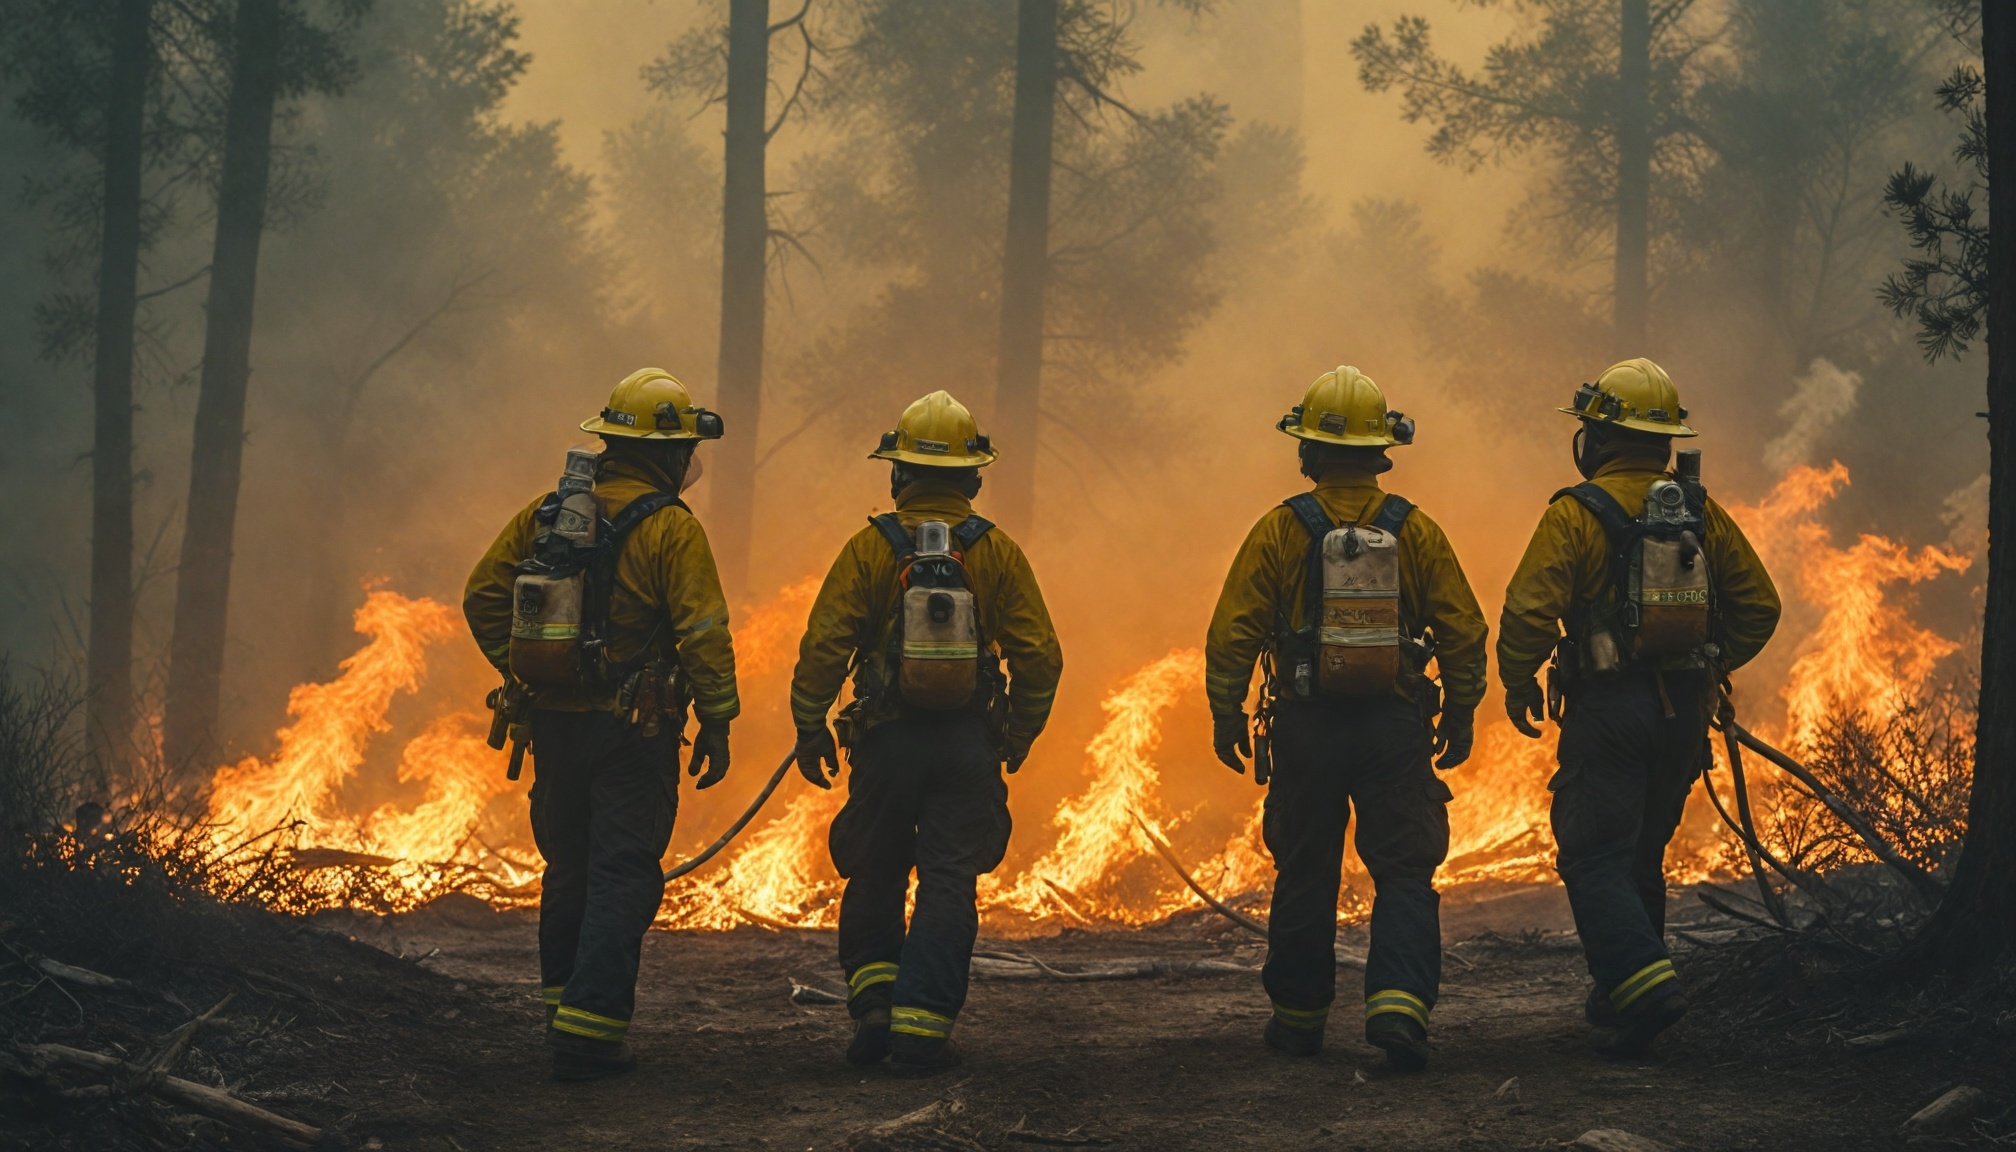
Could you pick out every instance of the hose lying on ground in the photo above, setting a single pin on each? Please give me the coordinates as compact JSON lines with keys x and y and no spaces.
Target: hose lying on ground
{"x":755,"y":806}
{"x":1926,"y":884}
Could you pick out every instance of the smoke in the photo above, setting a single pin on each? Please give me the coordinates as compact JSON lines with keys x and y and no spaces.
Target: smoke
{"x":1966,"y":519}
{"x":1820,"y":399}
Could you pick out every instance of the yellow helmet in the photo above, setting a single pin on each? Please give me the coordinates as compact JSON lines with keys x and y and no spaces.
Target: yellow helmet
{"x":937,"y":431}
{"x":1634,"y":394}
{"x":1344,"y":406}
{"x":651,"y":404}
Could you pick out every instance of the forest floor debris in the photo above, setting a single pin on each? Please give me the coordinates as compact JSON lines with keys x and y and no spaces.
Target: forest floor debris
{"x":444,"y":1053}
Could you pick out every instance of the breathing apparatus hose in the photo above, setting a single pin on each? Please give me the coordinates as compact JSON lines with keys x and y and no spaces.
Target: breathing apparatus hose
{"x":742,"y":822}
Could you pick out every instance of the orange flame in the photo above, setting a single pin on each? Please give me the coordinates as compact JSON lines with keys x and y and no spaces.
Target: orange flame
{"x":298,"y":792}
{"x":1863,"y":648}
{"x":1864,"y":653}
{"x":1096,"y":834}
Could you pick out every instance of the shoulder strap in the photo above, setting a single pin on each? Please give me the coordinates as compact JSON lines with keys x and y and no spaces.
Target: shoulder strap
{"x":1619,"y":527}
{"x":1309,"y":511}
{"x":1618,"y":524}
{"x":1392,"y":515}
{"x":898,"y":536}
{"x":1315,"y":521}
{"x":635,"y":512}
{"x":970,"y":530}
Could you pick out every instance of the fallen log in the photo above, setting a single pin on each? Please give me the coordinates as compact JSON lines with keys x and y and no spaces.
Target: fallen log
{"x":1017,"y":966}
{"x":1949,"y":1113}
{"x":1168,"y":855}
{"x":213,"y":1102}
{"x":158,"y":1065}
{"x":83,"y":977}
{"x":1068,"y":1139}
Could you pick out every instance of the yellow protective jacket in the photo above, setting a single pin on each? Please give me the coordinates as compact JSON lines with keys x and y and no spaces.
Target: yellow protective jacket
{"x":1272,"y":569}
{"x":1567,"y":563}
{"x":856,"y":612}
{"x":665,"y":580}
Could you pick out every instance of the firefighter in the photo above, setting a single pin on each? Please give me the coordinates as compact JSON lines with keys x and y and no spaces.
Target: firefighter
{"x":605,"y":741}
{"x":1342,"y":594}
{"x":1638,"y":661}
{"x":922,"y":606}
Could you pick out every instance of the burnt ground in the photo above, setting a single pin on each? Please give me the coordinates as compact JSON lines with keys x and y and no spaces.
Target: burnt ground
{"x":423,"y":1032}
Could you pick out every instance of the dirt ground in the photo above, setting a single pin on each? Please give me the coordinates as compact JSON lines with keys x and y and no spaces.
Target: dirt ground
{"x":728,"y":1060}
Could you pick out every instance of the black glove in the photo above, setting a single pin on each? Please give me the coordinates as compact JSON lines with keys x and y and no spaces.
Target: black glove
{"x":1455,"y":732}
{"x":710,"y":747}
{"x":1523,"y":701}
{"x":1229,"y":739}
{"x":816,"y":747}
{"x":1015,"y":749}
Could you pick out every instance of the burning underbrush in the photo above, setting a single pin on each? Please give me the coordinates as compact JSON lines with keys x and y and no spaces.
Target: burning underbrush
{"x":321,"y":822}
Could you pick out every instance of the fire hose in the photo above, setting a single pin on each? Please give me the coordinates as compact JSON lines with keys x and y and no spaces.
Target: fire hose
{"x":1921,"y":881}
{"x":741,"y":822}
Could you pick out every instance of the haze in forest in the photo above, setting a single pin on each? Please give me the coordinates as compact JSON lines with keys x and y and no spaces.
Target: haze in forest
{"x":508,"y":207}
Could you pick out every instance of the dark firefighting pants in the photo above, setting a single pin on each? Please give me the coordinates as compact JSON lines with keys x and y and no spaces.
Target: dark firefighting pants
{"x":925,"y":792}
{"x":603,"y":799}
{"x":1331,"y":757}
{"x":1626,"y":768}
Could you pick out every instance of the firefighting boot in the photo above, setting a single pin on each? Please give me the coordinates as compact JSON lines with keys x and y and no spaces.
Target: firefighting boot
{"x":1596,"y":1009}
{"x":1296,"y":1031}
{"x":1403,"y":1038}
{"x":1646,"y":1004}
{"x":1398,"y":1022}
{"x":920,"y":1042}
{"x":577,"y":1058}
{"x":871,"y":1026}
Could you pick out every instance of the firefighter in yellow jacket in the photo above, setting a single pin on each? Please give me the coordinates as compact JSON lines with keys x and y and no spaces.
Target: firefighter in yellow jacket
{"x":922,"y":607}
{"x":1342,"y":594}
{"x":1645,"y":594}
{"x":600,"y":602}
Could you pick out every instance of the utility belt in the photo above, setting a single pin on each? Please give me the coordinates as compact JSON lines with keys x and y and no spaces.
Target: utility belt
{"x":877,"y":701}
{"x":1588,"y":660}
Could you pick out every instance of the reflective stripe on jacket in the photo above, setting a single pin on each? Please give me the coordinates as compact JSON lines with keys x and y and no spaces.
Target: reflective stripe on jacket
{"x":860,"y":594}
{"x":1272,"y":568}
{"x":1567,"y":563}
{"x":665,"y":579}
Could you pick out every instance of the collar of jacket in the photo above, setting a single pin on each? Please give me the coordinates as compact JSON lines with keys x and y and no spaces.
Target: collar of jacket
{"x":935,"y":500}
{"x":1349,"y":479}
{"x":1630,"y":464}
{"x":651,"y":476}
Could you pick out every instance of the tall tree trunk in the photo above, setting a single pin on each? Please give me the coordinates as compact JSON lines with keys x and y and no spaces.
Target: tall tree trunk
{"x":203,"y":582}
{"x":1975,"y":926}
{"x":109,"y":672}
{"x":1025,"y":263}
{"x":745,"y":240}
{"x":1634,"y":178}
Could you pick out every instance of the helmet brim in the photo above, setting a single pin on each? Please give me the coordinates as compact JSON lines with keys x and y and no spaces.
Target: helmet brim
{"x":1635,"y":424}
{"x":602,"y":427}
{"x":1347,"y":441}
{"x":934,"y":459}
